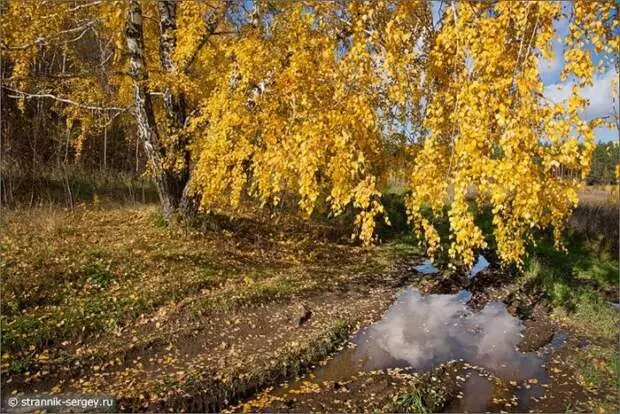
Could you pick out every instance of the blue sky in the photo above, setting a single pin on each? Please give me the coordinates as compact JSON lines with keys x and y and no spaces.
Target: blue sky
{"x":601,"y":103}
{"x":599,"y":95}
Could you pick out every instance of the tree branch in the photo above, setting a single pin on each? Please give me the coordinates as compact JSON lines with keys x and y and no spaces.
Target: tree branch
{"x":26,"y":95}
{"x":43,"y":40}
{"x":75,"y":9}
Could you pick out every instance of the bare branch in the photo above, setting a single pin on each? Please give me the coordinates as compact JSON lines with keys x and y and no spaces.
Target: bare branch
{"x":43,"y":40}
{"x":76,"y":8}
{"x":81,"y":6}
{"x":26,"y":95}
{"x":78,"y":75}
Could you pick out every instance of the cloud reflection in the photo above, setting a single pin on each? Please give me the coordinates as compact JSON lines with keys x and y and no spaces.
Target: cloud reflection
{"x":424,"y":331}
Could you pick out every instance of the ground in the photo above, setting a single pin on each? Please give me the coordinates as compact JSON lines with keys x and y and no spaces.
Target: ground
{"x":110,"y":300}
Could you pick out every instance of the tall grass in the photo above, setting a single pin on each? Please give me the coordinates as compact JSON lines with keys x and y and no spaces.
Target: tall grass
{"x":599,"y":225}
{"x":71,"y":186}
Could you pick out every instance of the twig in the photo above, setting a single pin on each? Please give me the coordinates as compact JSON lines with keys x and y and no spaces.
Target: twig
{"x":43,"y":40}
{"x":458,"y":95}
{"x":26,"y":95}
{"x":76,"y":8}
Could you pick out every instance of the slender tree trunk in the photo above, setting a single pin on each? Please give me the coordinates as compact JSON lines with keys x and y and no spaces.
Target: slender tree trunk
{"x":105,"y":148}
{"x":168,"y":186}
{"x":137,"y":155}
{"x":175,"y":104}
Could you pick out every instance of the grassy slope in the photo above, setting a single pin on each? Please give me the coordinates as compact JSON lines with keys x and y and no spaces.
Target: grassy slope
{"x":581,"y":286}
{"x":97,"y":270}
{"x":100,"y":289}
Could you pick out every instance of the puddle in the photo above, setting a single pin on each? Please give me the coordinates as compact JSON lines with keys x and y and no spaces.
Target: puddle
{"x":476,"y":394}
{"x":427,"y":267}
{"x":480,"y":265}
{"x":421,"y":332}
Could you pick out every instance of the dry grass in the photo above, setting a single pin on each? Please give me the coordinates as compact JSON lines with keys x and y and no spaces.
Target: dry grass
{"x":599,"y":195}
{"x":92,"y":270}
{"x":597,"y":219}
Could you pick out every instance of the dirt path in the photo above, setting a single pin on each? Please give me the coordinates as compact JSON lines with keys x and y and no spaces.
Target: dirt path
{"x":224,"y":340}
{"x":201,"y":321}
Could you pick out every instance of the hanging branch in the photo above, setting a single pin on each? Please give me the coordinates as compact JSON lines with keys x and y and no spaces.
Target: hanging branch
{"x":26,"y":95}
{"x":43,"y":40}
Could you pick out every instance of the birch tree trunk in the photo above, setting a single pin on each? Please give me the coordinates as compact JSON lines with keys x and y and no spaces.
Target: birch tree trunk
{"x":175,"y":104}
{"x":170,"y":185}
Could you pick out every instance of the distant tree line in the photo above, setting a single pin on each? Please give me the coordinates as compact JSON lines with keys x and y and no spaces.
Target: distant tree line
{"x":604,"y":160}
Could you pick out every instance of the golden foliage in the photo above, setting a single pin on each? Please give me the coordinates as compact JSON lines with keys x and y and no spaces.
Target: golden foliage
{"x":492,"y":131}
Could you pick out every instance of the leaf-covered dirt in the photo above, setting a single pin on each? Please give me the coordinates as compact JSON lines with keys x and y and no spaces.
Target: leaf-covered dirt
{"x":107,"y":301}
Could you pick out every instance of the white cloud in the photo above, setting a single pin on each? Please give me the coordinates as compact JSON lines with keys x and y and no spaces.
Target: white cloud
{"x":550,"y":67}
{"x":425,"y":330}
{"x":558,"y":92}
{"x":599,"y":95}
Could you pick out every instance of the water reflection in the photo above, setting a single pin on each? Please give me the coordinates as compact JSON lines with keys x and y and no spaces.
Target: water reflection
{"x":480,"y":265}
{"x":422,"y":332}
{"x":426,"y":267}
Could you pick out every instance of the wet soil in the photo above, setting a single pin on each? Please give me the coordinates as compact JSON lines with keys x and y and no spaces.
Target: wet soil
{"x":538,"y":330}
{"x":360,"y":393}
{"x":566,"y":393}
{"x":183,"y":358}
{"x":526,"y":367}
{"x":489,"y":348}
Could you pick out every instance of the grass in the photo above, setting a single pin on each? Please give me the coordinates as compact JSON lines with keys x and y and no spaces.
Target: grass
{"x":93,"y":287}
{"x":73,"y":186}
{"x":410,"y":402}
{"x":424,"y":395}
{"x":418,"y":399}
{"x":99,"y":275}
{"x":598,"y":223}
{"x":578,"y":283}
{"x":598,"y":366}
{"x":209,"y":393}
{"x":73,"y":276}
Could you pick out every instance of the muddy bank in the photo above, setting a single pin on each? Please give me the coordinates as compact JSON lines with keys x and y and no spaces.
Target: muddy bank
{"x":364,"y":392}
{"x":484,"y":344}
{"x":476,"y":352}
{"x":183,"y":360}
{"x":453,"y":387}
